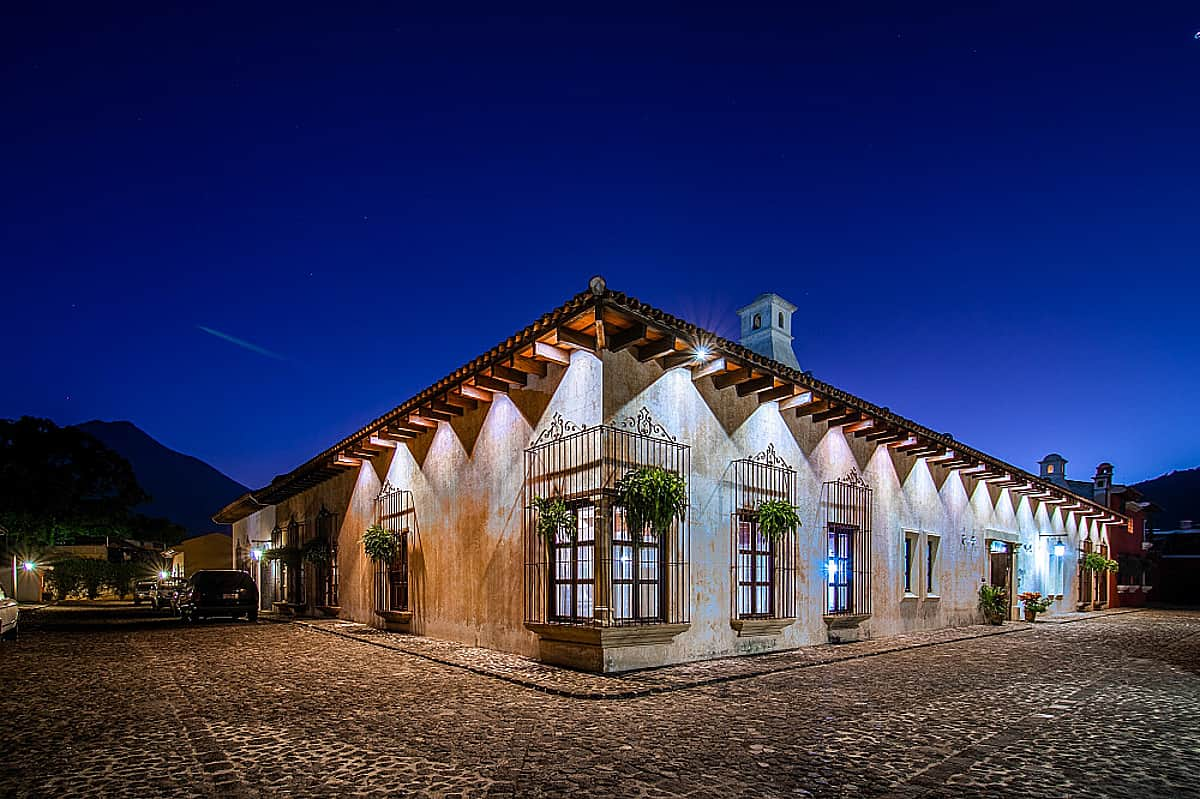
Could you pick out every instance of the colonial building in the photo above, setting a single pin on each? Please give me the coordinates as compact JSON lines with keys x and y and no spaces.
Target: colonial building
{"x":1133,"y":582}
{"x":899,"y":524}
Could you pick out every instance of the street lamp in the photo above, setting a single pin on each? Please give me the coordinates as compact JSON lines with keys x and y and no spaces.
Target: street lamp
{"x":29,"y":566}
{"x":162,"y":575}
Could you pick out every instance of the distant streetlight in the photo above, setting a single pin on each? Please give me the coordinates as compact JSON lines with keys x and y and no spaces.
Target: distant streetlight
{"x":162,"y":575}
{"x":29,"y":566}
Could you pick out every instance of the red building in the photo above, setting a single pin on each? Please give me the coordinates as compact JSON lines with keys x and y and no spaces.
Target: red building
{"x":1131,"y":584}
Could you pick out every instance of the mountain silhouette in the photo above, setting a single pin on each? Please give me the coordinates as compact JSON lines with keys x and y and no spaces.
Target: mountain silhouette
{"x":1178,"y":493}
{"x":182,"y":488}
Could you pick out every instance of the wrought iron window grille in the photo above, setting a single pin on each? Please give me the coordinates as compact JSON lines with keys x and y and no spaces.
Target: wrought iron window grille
{"x":603,"y":576}
{"x":327,"y":573}
{"x":762,"y":571}
{"x":847,"y":508}
{"x":396,"y":512}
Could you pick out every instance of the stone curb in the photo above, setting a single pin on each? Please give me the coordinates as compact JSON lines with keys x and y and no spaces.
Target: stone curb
{"x":650,"y":690}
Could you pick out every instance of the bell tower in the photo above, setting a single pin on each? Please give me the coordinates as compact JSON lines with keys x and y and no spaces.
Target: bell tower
{"x":767,"y":328}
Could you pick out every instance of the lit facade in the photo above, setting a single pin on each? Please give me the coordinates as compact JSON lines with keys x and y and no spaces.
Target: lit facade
{"x":899,"y":525}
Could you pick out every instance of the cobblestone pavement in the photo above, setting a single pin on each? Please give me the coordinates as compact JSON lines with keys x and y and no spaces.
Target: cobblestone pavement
{"x":1108,"y":706}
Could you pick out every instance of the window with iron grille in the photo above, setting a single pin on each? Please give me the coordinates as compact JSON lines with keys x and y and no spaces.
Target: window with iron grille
{"x":395,"y":512}
{"x":932,"y":546}
{"x":847,"y":507}
{"x":327,"y":573}
{"x":763,"y":574}
{"x":605,"y":575}
{"x":573,"y":578}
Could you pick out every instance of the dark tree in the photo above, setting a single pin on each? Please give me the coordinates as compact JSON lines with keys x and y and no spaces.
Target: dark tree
{"x":60,"y":483}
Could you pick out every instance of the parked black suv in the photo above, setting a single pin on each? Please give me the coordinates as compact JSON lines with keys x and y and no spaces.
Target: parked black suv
{"x":218,"y":592}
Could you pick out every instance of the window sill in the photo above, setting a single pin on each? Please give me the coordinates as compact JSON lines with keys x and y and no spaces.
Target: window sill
{"x":607,"y":637}
{"x":747,"y":628}
{"x":837,"y":621}
{"x":907,"y":597}
{"x":933,"y":597}
{"x":399,"y":618}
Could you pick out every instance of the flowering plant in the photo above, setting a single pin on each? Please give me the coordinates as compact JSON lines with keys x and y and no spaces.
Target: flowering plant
{"x":1034,"y":602}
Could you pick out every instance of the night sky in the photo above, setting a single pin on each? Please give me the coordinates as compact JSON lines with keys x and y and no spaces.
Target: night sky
{"x":990,"y":219}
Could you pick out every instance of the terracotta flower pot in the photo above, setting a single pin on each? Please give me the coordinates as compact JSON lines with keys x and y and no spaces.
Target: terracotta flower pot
{"x":1030,"y":615}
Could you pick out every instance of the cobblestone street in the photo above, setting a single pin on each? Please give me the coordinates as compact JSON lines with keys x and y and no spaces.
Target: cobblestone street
{"x":119,"y":702}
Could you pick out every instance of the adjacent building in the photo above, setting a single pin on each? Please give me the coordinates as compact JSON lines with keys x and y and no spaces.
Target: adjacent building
{"x":207,"y":551}
{"x":1132,"y":584}
{"x":899,"y":524}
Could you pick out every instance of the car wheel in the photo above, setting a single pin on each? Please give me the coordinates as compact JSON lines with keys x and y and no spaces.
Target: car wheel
{"x":252,"y":616}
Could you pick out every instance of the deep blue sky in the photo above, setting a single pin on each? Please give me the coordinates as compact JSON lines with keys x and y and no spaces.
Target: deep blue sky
{"x":989,"y":218}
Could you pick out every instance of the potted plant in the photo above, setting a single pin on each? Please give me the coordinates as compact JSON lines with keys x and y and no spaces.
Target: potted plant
{"x":554,"y":515}
{"x":777,"y":518}
{"x":1097,"y":563}
{"x":1034,"y":604}
{"x":287,"y":555}
{"x":380,"y":544}
{"x":993,"y":602}
{"x":653,"y":497}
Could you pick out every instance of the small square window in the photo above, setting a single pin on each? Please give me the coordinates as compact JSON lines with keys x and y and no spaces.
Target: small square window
{"x":932,"y":544}
{"x":910,"y":560}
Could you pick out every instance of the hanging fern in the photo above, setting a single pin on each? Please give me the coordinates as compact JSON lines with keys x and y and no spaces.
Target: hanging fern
{"x":290,"y":555}
{"x":1095,"y":562}
{"x":777,"y":518}
{"x":380,"y":544}
{"x":317,"y":551}
{"x":653,"y":498}
{"x":554,"y":515}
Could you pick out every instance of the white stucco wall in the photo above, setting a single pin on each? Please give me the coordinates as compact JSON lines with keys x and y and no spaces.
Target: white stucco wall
{"x":466,"y":555}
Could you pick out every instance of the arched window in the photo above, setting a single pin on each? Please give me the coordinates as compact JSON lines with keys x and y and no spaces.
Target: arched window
{"x":757,"y":321}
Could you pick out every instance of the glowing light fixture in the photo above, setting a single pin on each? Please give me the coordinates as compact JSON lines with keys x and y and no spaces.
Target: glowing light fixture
{"x":29,"y":566}
{"x":256,"y":553}
{"x":832,"y":568}
{"x":1059,"y":550}
{"x":702,"y":353}
{"x":162,"y":575}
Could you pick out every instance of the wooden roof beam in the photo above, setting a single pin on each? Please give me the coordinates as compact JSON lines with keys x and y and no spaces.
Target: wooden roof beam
{"x":445,"y":407}
{"x":655,"y":349}
{"x":911,"y":446}
{"x":467,"y":403}
{"x":418,"y":419}
{"x":508,"y":374}
{"x":529,"y":366}
{"x":575,"y":338}
{"x":832,"y":412}
{"x":491,"y":383}
{"x":549,"y":353}
{"x":778,"y":392}
{"x":621,"y":339}
{"x":808,"y":409}
{"x":395,"y":435}
{"x":676,"y":359}
{"x":732,"y":378}
{"x":754,"y":385}
{"x":713,"y":367}
{"x":475,"y":393}
{"x":878,"y":432}
{"x":434,"y":413}
{"x":796,"y":400}
{"x":850,"y":416}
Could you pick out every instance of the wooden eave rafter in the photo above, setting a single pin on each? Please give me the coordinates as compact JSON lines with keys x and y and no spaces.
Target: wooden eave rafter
{"x":621,"y":339}
{"x":655,"y":349}
{"x":574,"y":338}
{"x":713,"y":367}
{"x":596,"y":320}
{"x":754,"y":385}
{"x":732,"y":377}
{"x":528,"y":366}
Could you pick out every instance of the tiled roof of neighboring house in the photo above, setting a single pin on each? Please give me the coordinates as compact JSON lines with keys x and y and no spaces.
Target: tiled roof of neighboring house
{"x":598,"y":302}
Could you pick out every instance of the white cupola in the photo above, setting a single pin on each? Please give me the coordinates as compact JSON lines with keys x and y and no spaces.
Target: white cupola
{"x":767,"y":328}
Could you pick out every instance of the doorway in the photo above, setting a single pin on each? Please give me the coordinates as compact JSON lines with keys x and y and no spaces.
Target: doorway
{"x":1002,"y":559}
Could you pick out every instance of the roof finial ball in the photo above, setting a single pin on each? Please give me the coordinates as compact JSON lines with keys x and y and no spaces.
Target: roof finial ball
{"x":597,"y":286}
